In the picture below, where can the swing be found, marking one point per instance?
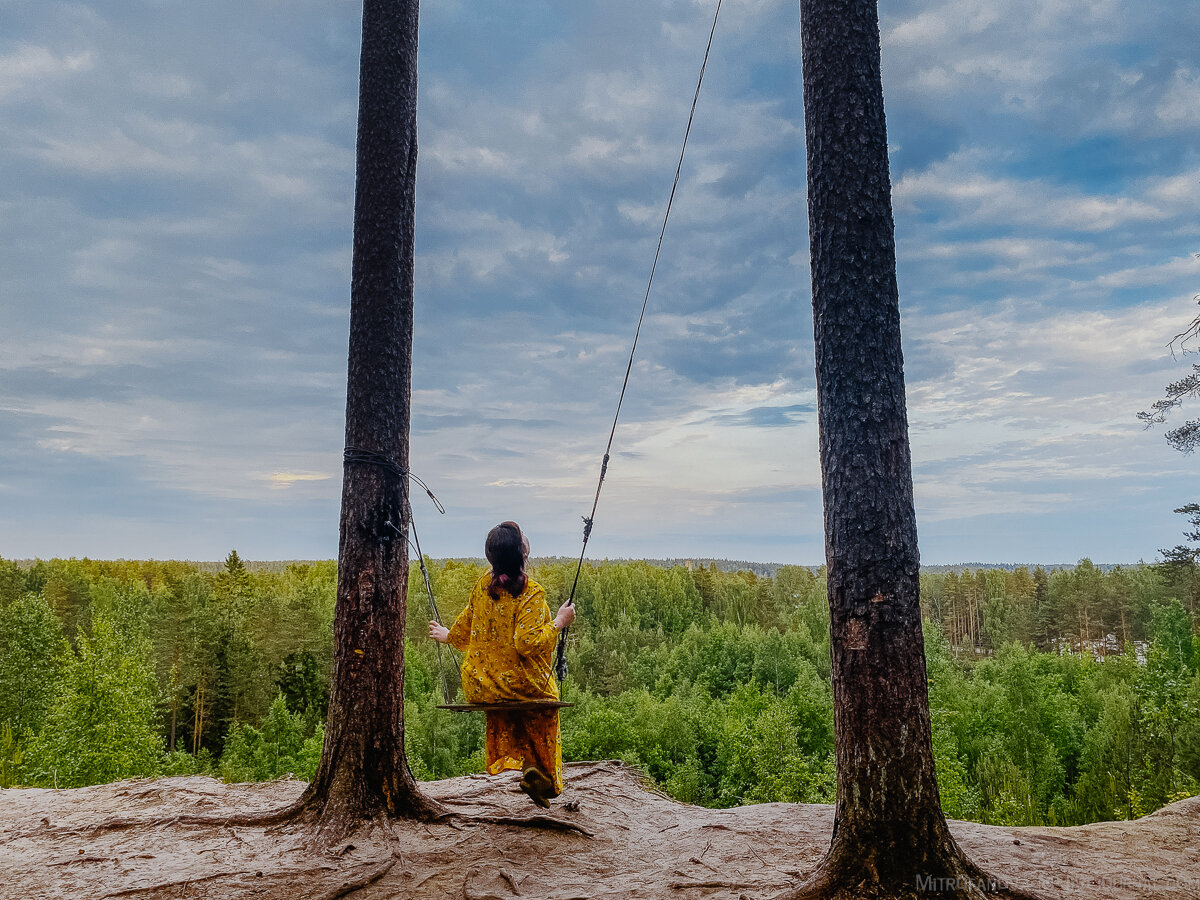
(560, 660)
(447, 695)
(447, 691)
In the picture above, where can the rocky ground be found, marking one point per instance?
(616, 839)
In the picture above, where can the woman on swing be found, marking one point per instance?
(508, 638)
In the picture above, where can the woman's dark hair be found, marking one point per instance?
(505, 549)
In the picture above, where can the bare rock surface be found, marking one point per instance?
(608, 836)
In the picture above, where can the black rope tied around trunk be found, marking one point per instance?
(358, 456)
(560, 657)
(352, 455)
(369, 457)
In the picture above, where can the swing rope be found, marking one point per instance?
(361, 456)
(560, 659)
(448, 691)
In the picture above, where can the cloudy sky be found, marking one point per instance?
(175, 209)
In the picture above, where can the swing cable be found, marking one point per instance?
(447, 691)
(415, 543)
(560, 659)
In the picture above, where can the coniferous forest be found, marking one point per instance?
(1058, 697)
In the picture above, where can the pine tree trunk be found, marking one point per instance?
(363, 771)
(890, 837)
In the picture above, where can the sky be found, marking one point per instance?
(176, 183)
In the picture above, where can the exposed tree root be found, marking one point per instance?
(548, 822)
(349, 887)
(330, 832)
(512, 882)
(259, 819)
(344, 889)
(697, 885)
(180, 884)
(839, 879)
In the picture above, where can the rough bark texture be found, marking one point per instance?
(890, 836)
(363, 771)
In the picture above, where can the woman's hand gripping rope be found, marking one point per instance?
(566, 615)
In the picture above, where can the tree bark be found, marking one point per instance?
(363, 771)
(890, 838)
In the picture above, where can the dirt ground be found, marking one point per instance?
(628, 842)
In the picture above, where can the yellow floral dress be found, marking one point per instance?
(508, 654)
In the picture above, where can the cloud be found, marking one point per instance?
(1172, 271)
(1180, 103)
(1035, 413)
(768, 416)
(29, 68)
(284, 480)
(958, 189)
(175, 267)
(1065, 67)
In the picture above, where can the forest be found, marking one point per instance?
(1058, 697)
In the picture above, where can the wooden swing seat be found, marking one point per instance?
(505, 706)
